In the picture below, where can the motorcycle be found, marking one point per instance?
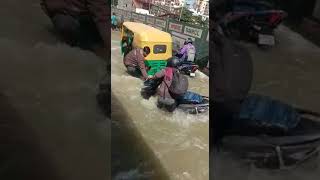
(252, 20)
(187, 67)
(272, 134)
(192, 103)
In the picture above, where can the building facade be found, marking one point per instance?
(126, 5)
(180, 3)
(202, 7)
(188, 3)
(167, 2)
(206, 8)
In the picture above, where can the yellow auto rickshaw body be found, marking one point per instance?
(139, 35)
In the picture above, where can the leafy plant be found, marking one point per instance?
(188, 17)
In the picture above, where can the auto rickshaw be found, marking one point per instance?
(138, 35)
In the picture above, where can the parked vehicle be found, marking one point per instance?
(188, 68)
(253, 20)
(273, 134)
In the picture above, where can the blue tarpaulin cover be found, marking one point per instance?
(264, 112)
(191, 97)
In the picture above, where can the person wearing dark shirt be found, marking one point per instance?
(134, 62)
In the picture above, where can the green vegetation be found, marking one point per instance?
(196, 20)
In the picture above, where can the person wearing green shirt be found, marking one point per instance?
(113, 21)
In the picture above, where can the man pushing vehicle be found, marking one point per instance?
(134, 62)
(81, 23)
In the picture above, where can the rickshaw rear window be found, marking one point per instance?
(158, 49)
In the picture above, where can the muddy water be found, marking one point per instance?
(179, 141)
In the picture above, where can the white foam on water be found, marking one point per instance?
(200, 144)
(133, 98)
(177, 117)
(184, 119)
(184, 176)
(201, 75)
(150, 105)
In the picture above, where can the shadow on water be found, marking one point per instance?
(131, 156)
(21, 156)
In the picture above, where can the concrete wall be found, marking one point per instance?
(316, 12)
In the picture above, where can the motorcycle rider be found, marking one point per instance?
(81, 23)
(187, 52)
(166, 99)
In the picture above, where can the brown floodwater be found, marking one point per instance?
(179, 141)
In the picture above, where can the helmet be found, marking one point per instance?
(173, 62)
(189, 40)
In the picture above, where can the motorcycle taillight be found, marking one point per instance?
(194, 68)
(275, 19)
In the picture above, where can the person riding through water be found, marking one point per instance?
(167, 98)
(81, 23)
(114, 21)
(134, 62)
(187, 52)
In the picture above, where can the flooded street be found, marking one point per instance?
(51, 87)
(178, 141)
(288, 72)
